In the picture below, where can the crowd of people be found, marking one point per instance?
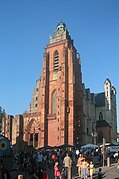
(36, 163)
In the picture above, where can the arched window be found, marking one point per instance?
(100, 116)
(36, 136)
(56, 60)
(54, 102)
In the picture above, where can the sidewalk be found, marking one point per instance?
(105, 170)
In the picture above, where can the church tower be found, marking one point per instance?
(110, 107)
(59, 92)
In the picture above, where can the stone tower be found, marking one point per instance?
(57, 97)
(110, 107)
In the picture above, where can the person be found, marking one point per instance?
(88, 171)
(79, 163)
(57, 173)
(84, 168)
(91, 169)
(4, 172)
(99, 176)
(39, 173)
(53, 159)
(67, 164)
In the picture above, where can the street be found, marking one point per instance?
(108, 172)
(111, 172)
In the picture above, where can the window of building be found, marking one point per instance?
(36, 98)
(56, 60)
(36, 105)
(87, 130)
(36, 136)
(107, 93)
(31, 137)
(54, 102)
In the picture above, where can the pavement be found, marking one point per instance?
(108, 172)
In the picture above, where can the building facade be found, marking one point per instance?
(7, 122)
(12, 128)
(100, 114)
(62, 110)
(57, 92)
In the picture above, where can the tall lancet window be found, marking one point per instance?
(56, 60)
(54, 102)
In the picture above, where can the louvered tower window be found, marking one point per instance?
(56, 60)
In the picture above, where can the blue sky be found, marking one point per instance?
(25, 27)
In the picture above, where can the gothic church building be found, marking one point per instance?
(62, 110)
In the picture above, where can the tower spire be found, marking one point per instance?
(61, 33)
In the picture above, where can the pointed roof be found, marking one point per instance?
(102, 123)
(107, 79)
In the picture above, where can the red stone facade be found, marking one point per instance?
(59, 105)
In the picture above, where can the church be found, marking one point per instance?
(62, 110)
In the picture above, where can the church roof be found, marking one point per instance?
(100, 99)
(102, 123)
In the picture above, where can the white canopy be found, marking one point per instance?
(89, 146)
